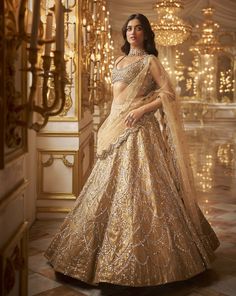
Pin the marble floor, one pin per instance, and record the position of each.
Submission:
(214, 164)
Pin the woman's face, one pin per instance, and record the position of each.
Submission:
(135, 33)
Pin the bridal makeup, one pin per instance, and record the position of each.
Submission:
(135, 33)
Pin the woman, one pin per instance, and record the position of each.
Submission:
(136, 221)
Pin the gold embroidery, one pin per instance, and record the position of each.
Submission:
(129, 225)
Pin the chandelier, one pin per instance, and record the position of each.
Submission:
(170, 29)
(208, 42)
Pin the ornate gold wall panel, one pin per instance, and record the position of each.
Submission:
(13, 263)
(13, 83)
(62, 174)
(53, 210)
(54, 166)
(75, 169)
(59, 134)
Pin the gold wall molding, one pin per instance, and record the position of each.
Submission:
(66, 162)
(65, 134)
(74, 166)
(56, 196)
(79, 177)
(52, 210)
(13, 139)
(64, 118)
(51, 159)
(14, 262)
(13, 194)
(59, 134)
(48, 162)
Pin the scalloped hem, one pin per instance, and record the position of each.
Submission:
(123, 137)
(118, 142)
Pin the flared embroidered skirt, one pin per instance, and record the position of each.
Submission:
(129, 225)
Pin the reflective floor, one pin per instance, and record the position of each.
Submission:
(213, 157)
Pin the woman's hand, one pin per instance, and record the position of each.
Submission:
(133, 116)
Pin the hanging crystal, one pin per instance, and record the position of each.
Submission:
(170, 29)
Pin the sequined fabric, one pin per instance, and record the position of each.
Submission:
(129, 225)
(129, 72)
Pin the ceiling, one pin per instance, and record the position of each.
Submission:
(225, 11)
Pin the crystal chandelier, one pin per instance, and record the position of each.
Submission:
(170, 29)
(208, 42)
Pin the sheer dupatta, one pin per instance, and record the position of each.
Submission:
(173, 134)
(114, 127)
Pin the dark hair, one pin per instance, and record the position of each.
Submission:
(149, 43)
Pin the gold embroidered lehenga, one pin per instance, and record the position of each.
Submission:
(136, 221)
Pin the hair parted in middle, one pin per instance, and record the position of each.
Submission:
(149, 42)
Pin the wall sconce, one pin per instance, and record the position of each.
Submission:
(53, 66)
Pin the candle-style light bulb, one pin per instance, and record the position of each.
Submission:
(59, 13)
(35, 24)
(48, 34)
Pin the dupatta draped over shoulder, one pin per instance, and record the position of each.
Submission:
(113, 131)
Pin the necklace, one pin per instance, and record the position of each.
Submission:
(137, 52)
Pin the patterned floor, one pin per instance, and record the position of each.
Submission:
(214, 162)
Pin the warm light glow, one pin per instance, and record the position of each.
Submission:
(204, 177)
(208, 42)
(97, 49)
(170, 29)
(226, 83)
(179, 66)
(166, 65)
(225, 154)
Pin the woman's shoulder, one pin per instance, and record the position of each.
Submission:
(152, 57)
(154, 61)
(119, 58)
